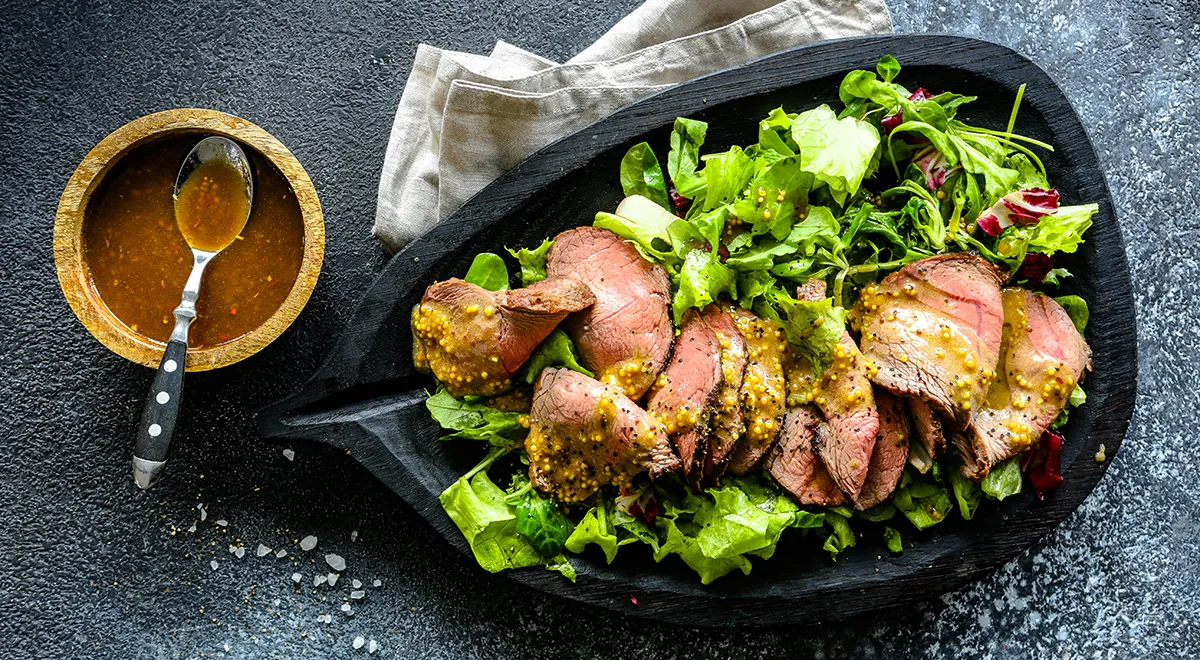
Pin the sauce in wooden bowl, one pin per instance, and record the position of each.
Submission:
(138, 261)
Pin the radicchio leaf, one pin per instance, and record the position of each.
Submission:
(1035, 267)
(1043, 464)
(934, 165)
(890, 122)
(1021, 208)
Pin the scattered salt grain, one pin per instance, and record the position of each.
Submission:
(232, 549)
(324, 618)
(333, 578)
(357, 595)
(345, 607)
(203, 514)
(319, 580)
(289, 454)
(240, 552)
(275, 602)
(377, 583)
(296, 577)
(356, 584)
(214, 564)
(262, 551)
(192, 529)
(372, 646)
(359, 641)
(354, 536)
(335, 562)
(308, 543)
(281, 554)
(223, 523)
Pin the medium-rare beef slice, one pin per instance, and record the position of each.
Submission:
(794, 463)
(685, 393)
(890, 453)
(845, 396)
(929, 441)
(933, 328)
(625, 338)
(1043, 358)
(763, 388)
(728, 421)
(585, 434)
(474, 340)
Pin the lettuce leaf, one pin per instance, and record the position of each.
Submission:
(702, 279)
(727, 175)
(892, 539)
(813, 327)
(533, 262)
(477, 506)
(687, 136)
(784, 177)
(1062, 231)
(841, 537)
(775, 132)
(838, 152)
(472, 419)
(966, 492)
(642, 175)
(488, 271)
(643, 223)
(556, 350)
(1003, 480)
(1077, 309)
(922, 498)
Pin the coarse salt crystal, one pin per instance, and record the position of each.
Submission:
(192, 529)
(223, 523)
(335, 562)
(281, 554)
(354, 536)
(203, 514)
(359, 641)
(319, 580)
(356, 584)
(345, 607)
(289, 454)
(262, 551)
(240, 552)
(232, 549)
(214, 564)
(308, 543)
(296, 577)
(377, 583)
(276, 602)
(372, 646)
(333, 578)
(356, 595)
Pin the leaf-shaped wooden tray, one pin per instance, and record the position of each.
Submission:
(368, 399)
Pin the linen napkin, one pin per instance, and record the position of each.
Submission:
(464, 119)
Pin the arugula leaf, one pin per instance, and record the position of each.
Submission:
(556, 350)
(642, 175)
(533, 262)
(474, 420)
(892, 539)
(966, 492)
(610, 528)
(477, 506)
(814, 327)
(759, 256)
(838, 152)
(702, 279)
(1077, 309)
(687, 136)
(1055, 276)
(1003, 480)
(1062, 231)
(488, 271)
(922, 498)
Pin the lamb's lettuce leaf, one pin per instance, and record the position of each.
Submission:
(556, 350)
(488, 271)
(642, 175)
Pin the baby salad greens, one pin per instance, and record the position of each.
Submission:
(845, 195)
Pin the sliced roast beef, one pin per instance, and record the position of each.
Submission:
(933, 329)
(626, 336)
(890, 453)
(728, 422)
(585, 434)
(763, 388)
(1042, 361)
(794, 462)
(845, 396)
(474, 340)
(685, 393)
(930, 438)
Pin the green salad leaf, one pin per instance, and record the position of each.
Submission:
(533, 262)
(967, 493)
(610, 528)
(702, 279)
(472, 419)
(727, 175)
(1003, 480)
(841, 537)
(642, 175)
(922, 498)
(643, 223)
(838, 152)
(892, 539)
(542, 523)
(556, 350)
(1062, 231)
(687, 136)
(488, 271)
(489, 524)
(814, 327)
(1077, 309)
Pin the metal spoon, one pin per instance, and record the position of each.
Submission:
(157, 424)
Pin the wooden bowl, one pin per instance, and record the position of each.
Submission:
(72, 211)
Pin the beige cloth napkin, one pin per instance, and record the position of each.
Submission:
(464, 119)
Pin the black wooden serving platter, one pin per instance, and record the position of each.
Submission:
(368, 400)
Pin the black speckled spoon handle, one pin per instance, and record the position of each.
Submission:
(157, 424)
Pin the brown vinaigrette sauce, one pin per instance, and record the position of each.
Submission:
(211, 207)
(138, 260)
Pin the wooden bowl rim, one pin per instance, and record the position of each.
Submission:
(91, 310)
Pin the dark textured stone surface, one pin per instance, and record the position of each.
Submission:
(91, 568)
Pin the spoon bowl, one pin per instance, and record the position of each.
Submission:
(213, 195)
